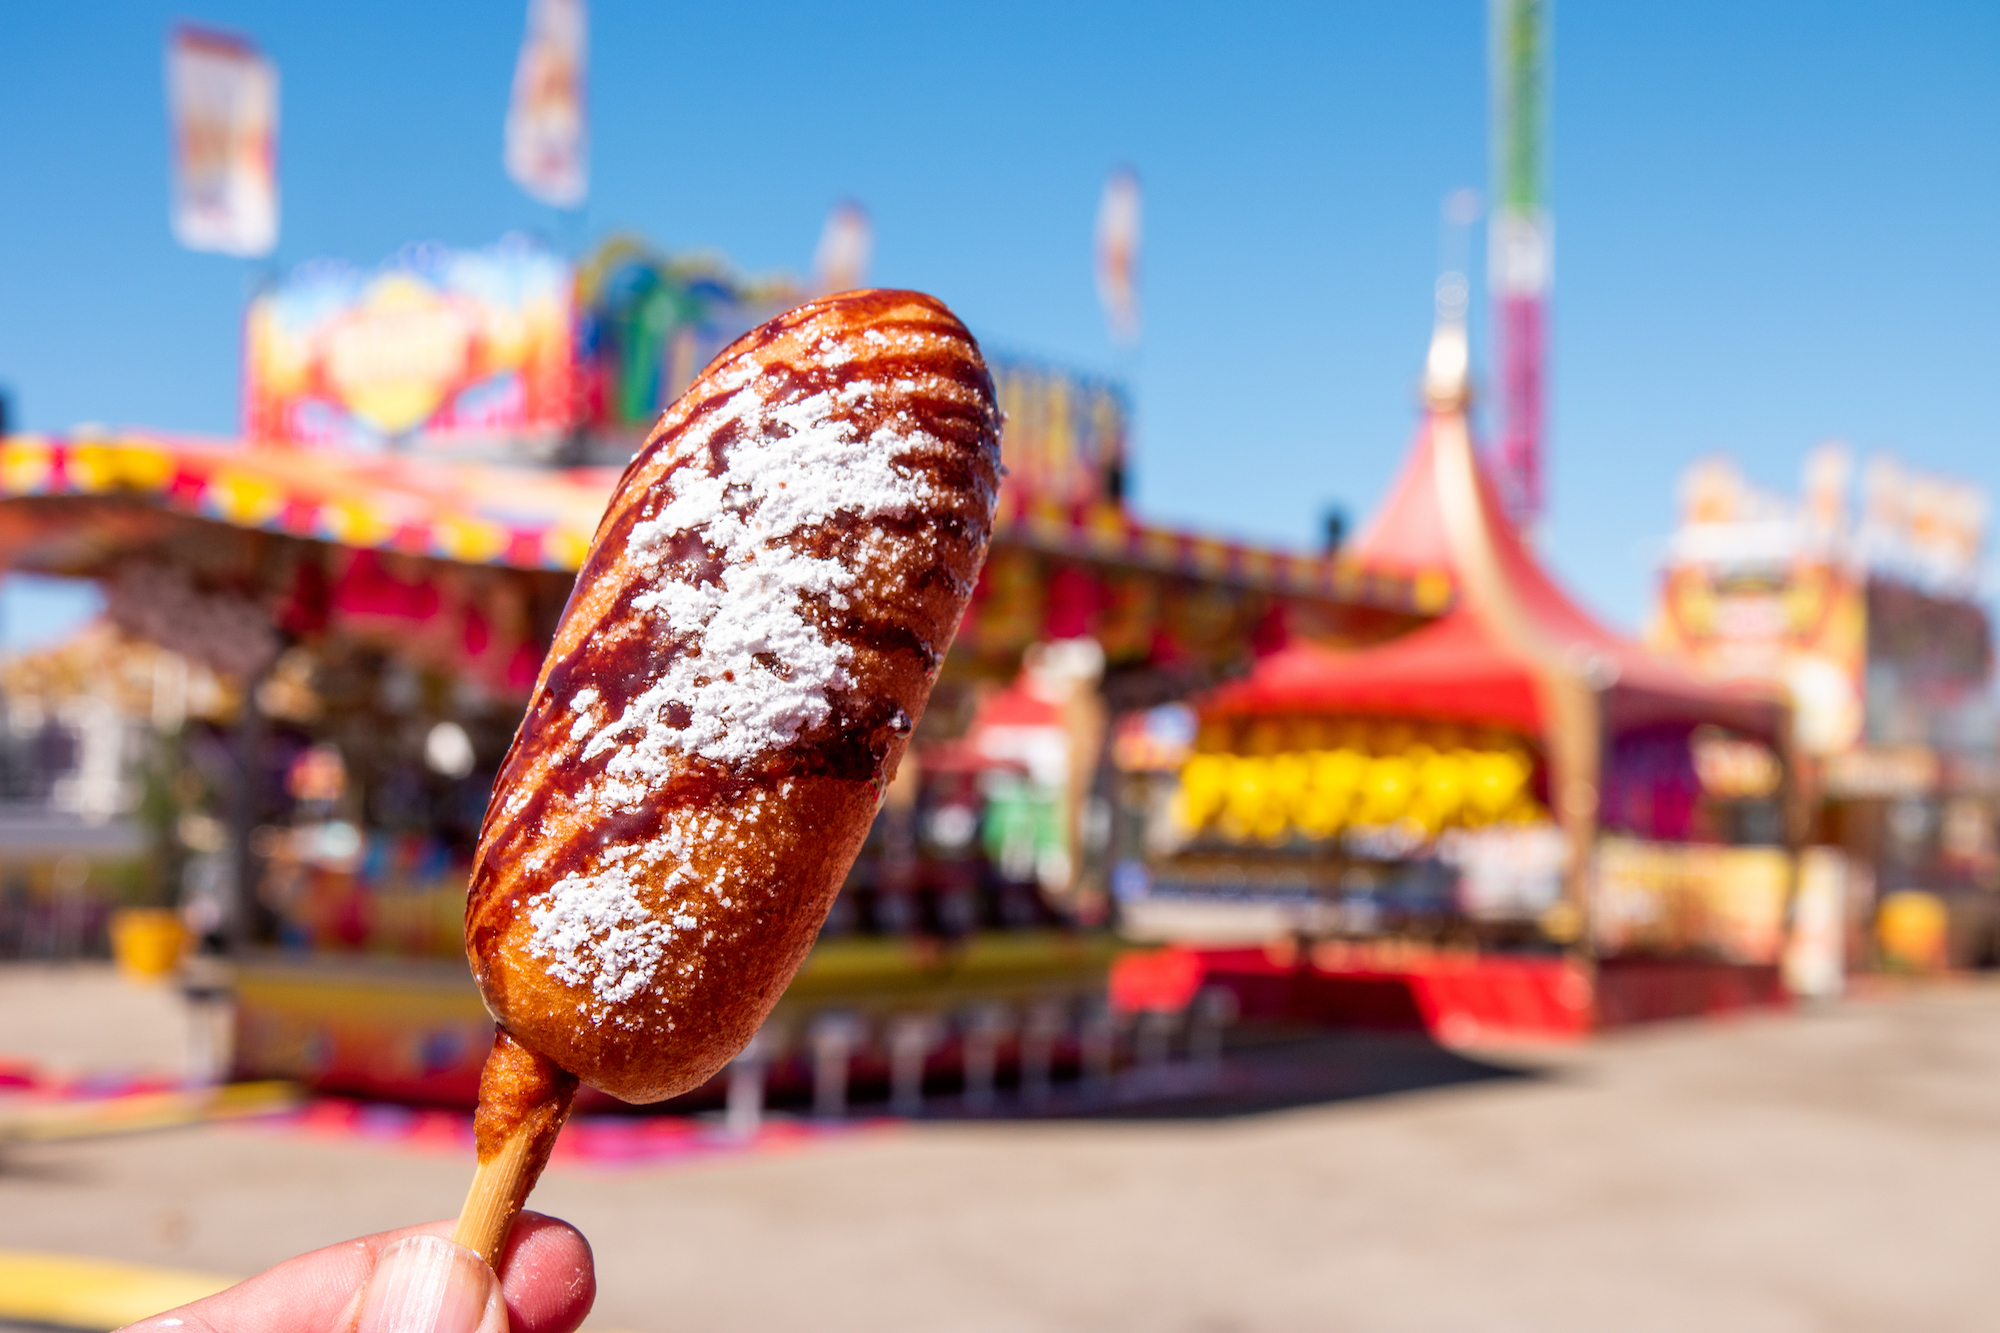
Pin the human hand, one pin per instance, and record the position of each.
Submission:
(409, 1281)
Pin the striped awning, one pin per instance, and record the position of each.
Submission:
(478, 512)
(1112, 536)
(470, 512)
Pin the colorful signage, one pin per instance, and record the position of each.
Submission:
(649, 324)
(1757, 588)
(1064, 441)
(439, 348)
(1675, 898)
(1867, 625)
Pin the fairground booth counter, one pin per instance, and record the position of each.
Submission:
(1509, 820)
(1867, 617)
(353, 601)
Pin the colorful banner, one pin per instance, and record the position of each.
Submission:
(444, 348)
(1520, 127)
(1118, 217)
(1064, 441)
(1521, 240)
(547, 146)
(222, 101)
(846, 243)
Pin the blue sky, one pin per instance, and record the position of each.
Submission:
(1774, 222)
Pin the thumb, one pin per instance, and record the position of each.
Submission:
(426, 1284)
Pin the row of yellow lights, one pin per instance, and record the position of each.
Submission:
(247, 497)
(1317, 793)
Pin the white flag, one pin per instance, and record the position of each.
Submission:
(1118, 255)
(222, 99)
(547, 134)
(840, 262)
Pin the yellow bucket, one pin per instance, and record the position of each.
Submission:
(1912, 927)
(146, 941)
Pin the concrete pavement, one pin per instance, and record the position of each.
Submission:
(1834, 1170)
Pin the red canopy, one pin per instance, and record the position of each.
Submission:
(1463, 667)
(1449, 670)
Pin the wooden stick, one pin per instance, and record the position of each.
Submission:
(523, 1101)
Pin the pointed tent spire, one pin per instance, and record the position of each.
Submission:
(1514, 647)
(1445, 500)
(1448, 368)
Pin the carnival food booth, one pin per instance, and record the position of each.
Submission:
(1509, 820)
(1868, 618)
(358, 596)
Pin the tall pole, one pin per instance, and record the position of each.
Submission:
(246, 808)
(1521, 260)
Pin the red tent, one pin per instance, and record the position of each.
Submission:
(1486, 660)
(1449, 670)
(1514, 651)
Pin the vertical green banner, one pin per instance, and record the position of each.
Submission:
(1521, 242)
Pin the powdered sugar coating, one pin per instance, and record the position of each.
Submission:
(759, 669)
(762, 671)
(749, 644)
(596, 930)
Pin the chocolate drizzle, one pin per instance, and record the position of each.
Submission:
(916, 567)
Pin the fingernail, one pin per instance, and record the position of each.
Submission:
(425, 1284)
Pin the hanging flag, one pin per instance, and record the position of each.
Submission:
(846, 243)
(1118, 255)
(547, 136)
(1521, 241)
(222, 101)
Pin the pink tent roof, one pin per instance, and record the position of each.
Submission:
(1449, 670)
(1457, 668)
